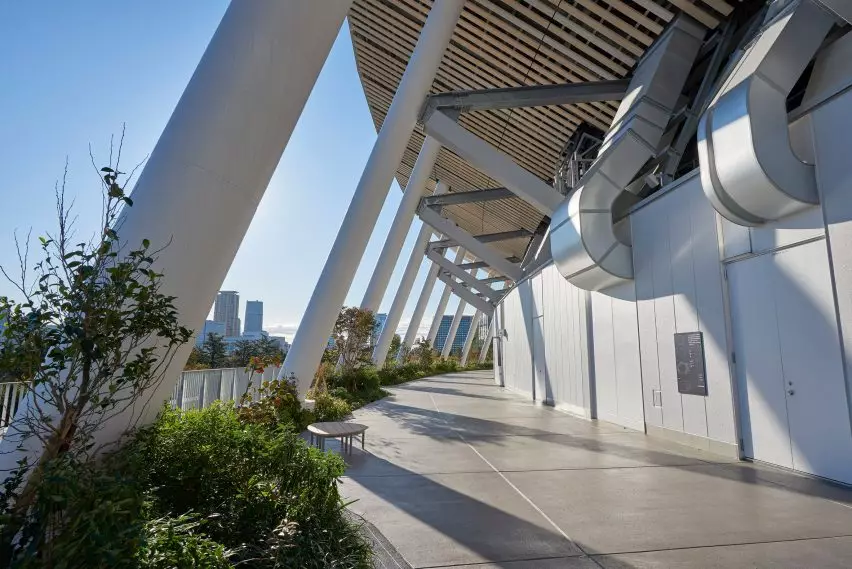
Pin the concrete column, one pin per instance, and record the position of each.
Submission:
(201, 186)
(442, 304)
(380, 352)
(336, 277)
(420, 308)
(471, 334)
(454, 328)
(205, 178)
(486, 345)
(401, 223)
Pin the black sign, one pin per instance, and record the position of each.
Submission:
(689, 357)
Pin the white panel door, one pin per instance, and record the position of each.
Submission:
(813, 369)
(765, 430)
(539, 361)
(789, 368)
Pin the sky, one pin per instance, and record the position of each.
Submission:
(73, 74)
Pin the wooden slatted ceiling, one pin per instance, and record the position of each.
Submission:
(507, 43)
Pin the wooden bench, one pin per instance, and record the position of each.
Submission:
(336, 430)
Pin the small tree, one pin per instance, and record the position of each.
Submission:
(214, 350)
(352, 333)
(195, 359)
(243, 352)
(92, 333)
(268, 348)
(423, 353)
(393, 351)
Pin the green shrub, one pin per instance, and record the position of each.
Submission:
(174, 543)
(263, 491)
(274, 403)
(359, 379)
(85, 515)
(446, 366)
(330, 408)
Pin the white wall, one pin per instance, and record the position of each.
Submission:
(617, 367)
(679, 288)
(516, 344)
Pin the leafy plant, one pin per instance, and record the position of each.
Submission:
(262, 490)
(92, 333)
(330, 408)
(274, 403)
(176, 543)
(214, 352)
(352, 336)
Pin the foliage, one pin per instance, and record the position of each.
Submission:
(92, 333)
(274, 403)
(264, 348)
(423, 354)
(175, 543)
(214, 352)
(262, 490)
(330, 408)
(393, 350)
(195, 359)
(83, 515)
(352, 334)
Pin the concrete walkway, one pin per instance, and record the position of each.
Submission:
(460, 473)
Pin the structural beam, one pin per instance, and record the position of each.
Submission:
(526, 96)
(466, 294)
(484, 251)
(464, 276)
(490, 280)
(474, 196)
(484, 238)
(494, 163)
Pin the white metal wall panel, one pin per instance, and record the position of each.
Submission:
(813, 366)
(564, 322)
(517, 346)
(618, 375)
(680, 289)
(648, 349)
(832, 125)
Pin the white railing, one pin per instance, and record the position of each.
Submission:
(199, 388)
(194, 390)
(10, 398)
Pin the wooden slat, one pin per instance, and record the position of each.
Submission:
(503, 43)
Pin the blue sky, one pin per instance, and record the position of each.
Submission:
(74, 72)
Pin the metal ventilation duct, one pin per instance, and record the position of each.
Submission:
(588, 249)
(749, 171)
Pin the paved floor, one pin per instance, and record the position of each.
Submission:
(459, 473)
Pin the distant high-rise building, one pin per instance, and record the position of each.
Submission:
(254, 316)
(458, 342)
(377, 329)
(210, 327)
(227, 310)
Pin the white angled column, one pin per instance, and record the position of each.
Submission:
(486, 345)
(471, 334)
(442, 303)
(454, 328)
(401, 223)
(348, 249)
(380, 352)
(419, 309)
(205, 178)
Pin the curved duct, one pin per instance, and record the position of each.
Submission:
(588, 248)
(749, 171)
